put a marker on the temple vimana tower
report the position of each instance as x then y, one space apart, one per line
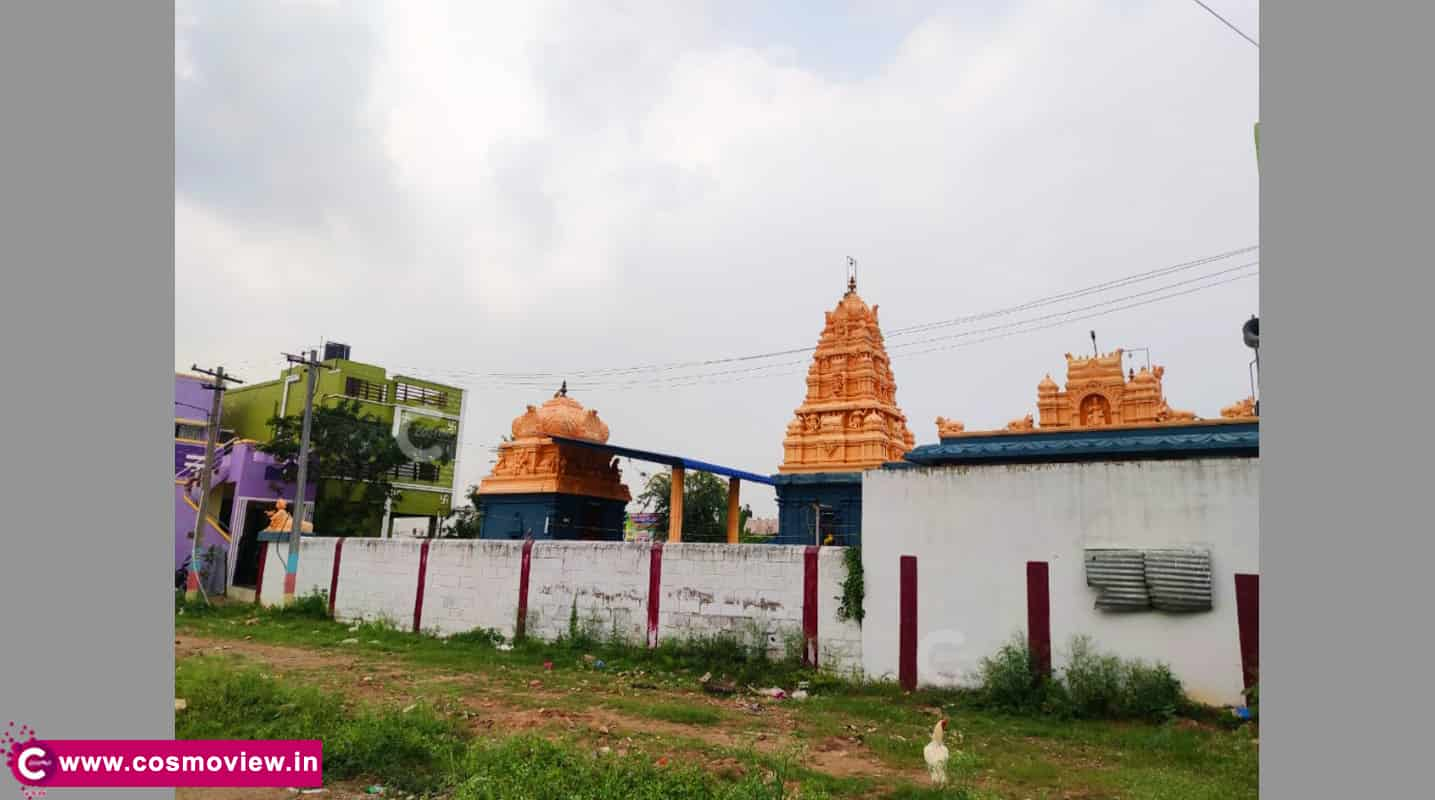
542 489
848 422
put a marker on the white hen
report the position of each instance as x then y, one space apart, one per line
936 754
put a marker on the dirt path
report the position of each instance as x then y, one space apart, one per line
494 705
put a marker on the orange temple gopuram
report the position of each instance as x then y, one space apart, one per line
849 420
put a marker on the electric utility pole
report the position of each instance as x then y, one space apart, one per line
191 583
291 564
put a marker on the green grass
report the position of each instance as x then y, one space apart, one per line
413 752
530 767
666 711
420 752
1018 754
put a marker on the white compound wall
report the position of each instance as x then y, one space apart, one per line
973 529
758 593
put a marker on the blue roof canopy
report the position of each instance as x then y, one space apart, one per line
664 458
1174 441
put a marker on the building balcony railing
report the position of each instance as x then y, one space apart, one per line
360 389
411 394
416 472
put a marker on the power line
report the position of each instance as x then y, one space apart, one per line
1052 320
694 379
1228 23
1092 315
538 379
1010 333
1070 295
1148 292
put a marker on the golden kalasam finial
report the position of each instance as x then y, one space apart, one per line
851 274
562 390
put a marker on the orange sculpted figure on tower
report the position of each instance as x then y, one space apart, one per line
1023 424
849 420
1240 410
533 462
949 427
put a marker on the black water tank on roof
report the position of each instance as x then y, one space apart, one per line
334 350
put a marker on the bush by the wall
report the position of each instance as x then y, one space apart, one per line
1094 685
1093 681
1007 681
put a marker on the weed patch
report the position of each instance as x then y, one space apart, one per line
530 767
409 751
1093 685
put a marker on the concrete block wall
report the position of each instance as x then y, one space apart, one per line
754 593
472 584
316 566
839 643
388 587
607 580
701 590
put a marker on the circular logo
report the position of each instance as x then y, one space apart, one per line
424 444
34 763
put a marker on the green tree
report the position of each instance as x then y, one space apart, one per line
352 454
704 506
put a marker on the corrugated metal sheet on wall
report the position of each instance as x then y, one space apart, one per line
1119 576
1179 580
1140 580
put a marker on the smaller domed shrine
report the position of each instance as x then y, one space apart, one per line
543 490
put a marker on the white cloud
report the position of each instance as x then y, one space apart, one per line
544 187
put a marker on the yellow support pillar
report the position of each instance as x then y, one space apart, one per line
675 507
733 514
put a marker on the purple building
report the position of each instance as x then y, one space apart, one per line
244 486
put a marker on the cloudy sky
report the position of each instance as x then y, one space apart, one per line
501 195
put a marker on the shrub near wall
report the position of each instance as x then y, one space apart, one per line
1093 685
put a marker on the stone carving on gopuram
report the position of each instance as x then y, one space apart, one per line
1242 409
849 420
1098 394
532 463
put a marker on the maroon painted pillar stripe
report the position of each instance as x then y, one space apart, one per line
259 576
907 624
1038 616
655 591
520 626
1248 617
809 607
423 573
334 579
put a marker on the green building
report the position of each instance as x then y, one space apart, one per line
426 490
